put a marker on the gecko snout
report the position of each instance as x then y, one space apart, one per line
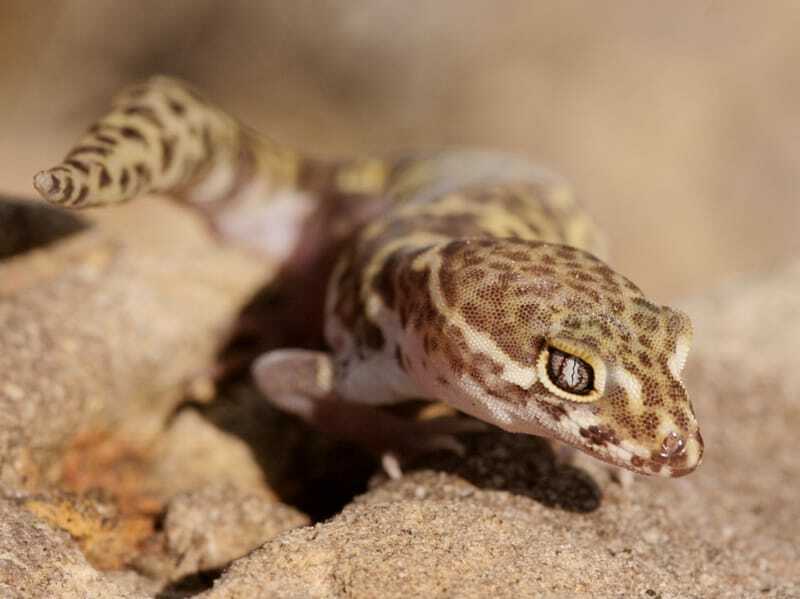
679 453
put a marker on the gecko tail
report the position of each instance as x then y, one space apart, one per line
161 136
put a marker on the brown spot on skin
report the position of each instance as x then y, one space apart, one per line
146 113
82 194
176 107
68 188
167 152
454 347
604 329
680 418
77 165
515 256
636 461
142 172
629 284
583 276
599 435
556 412
617 307
502 266
105 177
649 423
645 321
674 324
642 302
592 342
442 381
107 139
131 133
501 389
124 179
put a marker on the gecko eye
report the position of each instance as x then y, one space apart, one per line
572 372
569 373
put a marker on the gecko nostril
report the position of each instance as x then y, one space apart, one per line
672 446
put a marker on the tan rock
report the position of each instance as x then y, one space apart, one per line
193 453
208 529
37 560
103 329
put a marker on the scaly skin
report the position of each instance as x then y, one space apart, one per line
464 277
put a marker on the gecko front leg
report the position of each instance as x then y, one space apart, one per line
302 382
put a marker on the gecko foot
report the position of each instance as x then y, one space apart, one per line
300 382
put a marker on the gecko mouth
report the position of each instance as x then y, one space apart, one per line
676 455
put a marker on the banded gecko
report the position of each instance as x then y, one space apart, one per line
467 277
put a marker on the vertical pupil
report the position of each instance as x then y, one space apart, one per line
569 373
572 373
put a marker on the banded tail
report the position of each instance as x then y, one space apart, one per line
160 136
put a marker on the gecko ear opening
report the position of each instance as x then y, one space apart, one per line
571 372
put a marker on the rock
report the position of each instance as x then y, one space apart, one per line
108 539
194 453
205 530
39 561
489 525
100 330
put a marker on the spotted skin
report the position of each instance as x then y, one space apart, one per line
466 277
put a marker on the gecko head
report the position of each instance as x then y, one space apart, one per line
551 341
616 382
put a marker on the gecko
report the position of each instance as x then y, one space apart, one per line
467 277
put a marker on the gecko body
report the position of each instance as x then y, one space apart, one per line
471 278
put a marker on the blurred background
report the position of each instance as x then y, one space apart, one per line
677 122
